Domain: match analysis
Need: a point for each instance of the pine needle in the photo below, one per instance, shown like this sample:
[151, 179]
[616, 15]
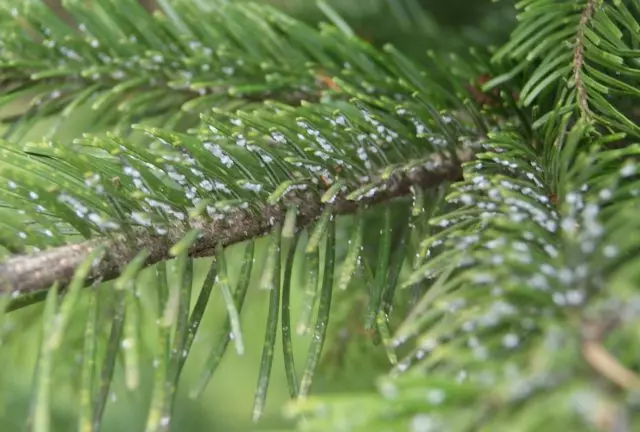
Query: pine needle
[322, 320]
[220, 345]
[287, 346]
[113, 347]
[353, 252]
[40, 408]
[268, 349]
[88, 364]
[382, 265]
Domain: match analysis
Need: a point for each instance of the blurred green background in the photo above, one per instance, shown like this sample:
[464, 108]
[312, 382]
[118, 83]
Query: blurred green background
[350, 361]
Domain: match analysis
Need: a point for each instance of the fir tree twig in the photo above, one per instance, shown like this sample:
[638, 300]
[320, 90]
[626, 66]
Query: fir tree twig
[29, 274]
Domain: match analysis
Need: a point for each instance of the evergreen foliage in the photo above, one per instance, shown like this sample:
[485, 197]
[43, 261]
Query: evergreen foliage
[477, 208]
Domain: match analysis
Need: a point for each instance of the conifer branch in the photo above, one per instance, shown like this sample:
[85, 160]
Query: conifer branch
[29, 274]
[71, 85]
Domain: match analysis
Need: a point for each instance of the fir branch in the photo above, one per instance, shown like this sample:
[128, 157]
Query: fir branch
[582, 61]
[578, 58]
[36, 272]
[54, 65]
[72, 85]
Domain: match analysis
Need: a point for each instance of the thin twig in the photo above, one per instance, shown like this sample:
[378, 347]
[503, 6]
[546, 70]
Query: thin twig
[600, 359]
[29, 274]
[578, 57]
